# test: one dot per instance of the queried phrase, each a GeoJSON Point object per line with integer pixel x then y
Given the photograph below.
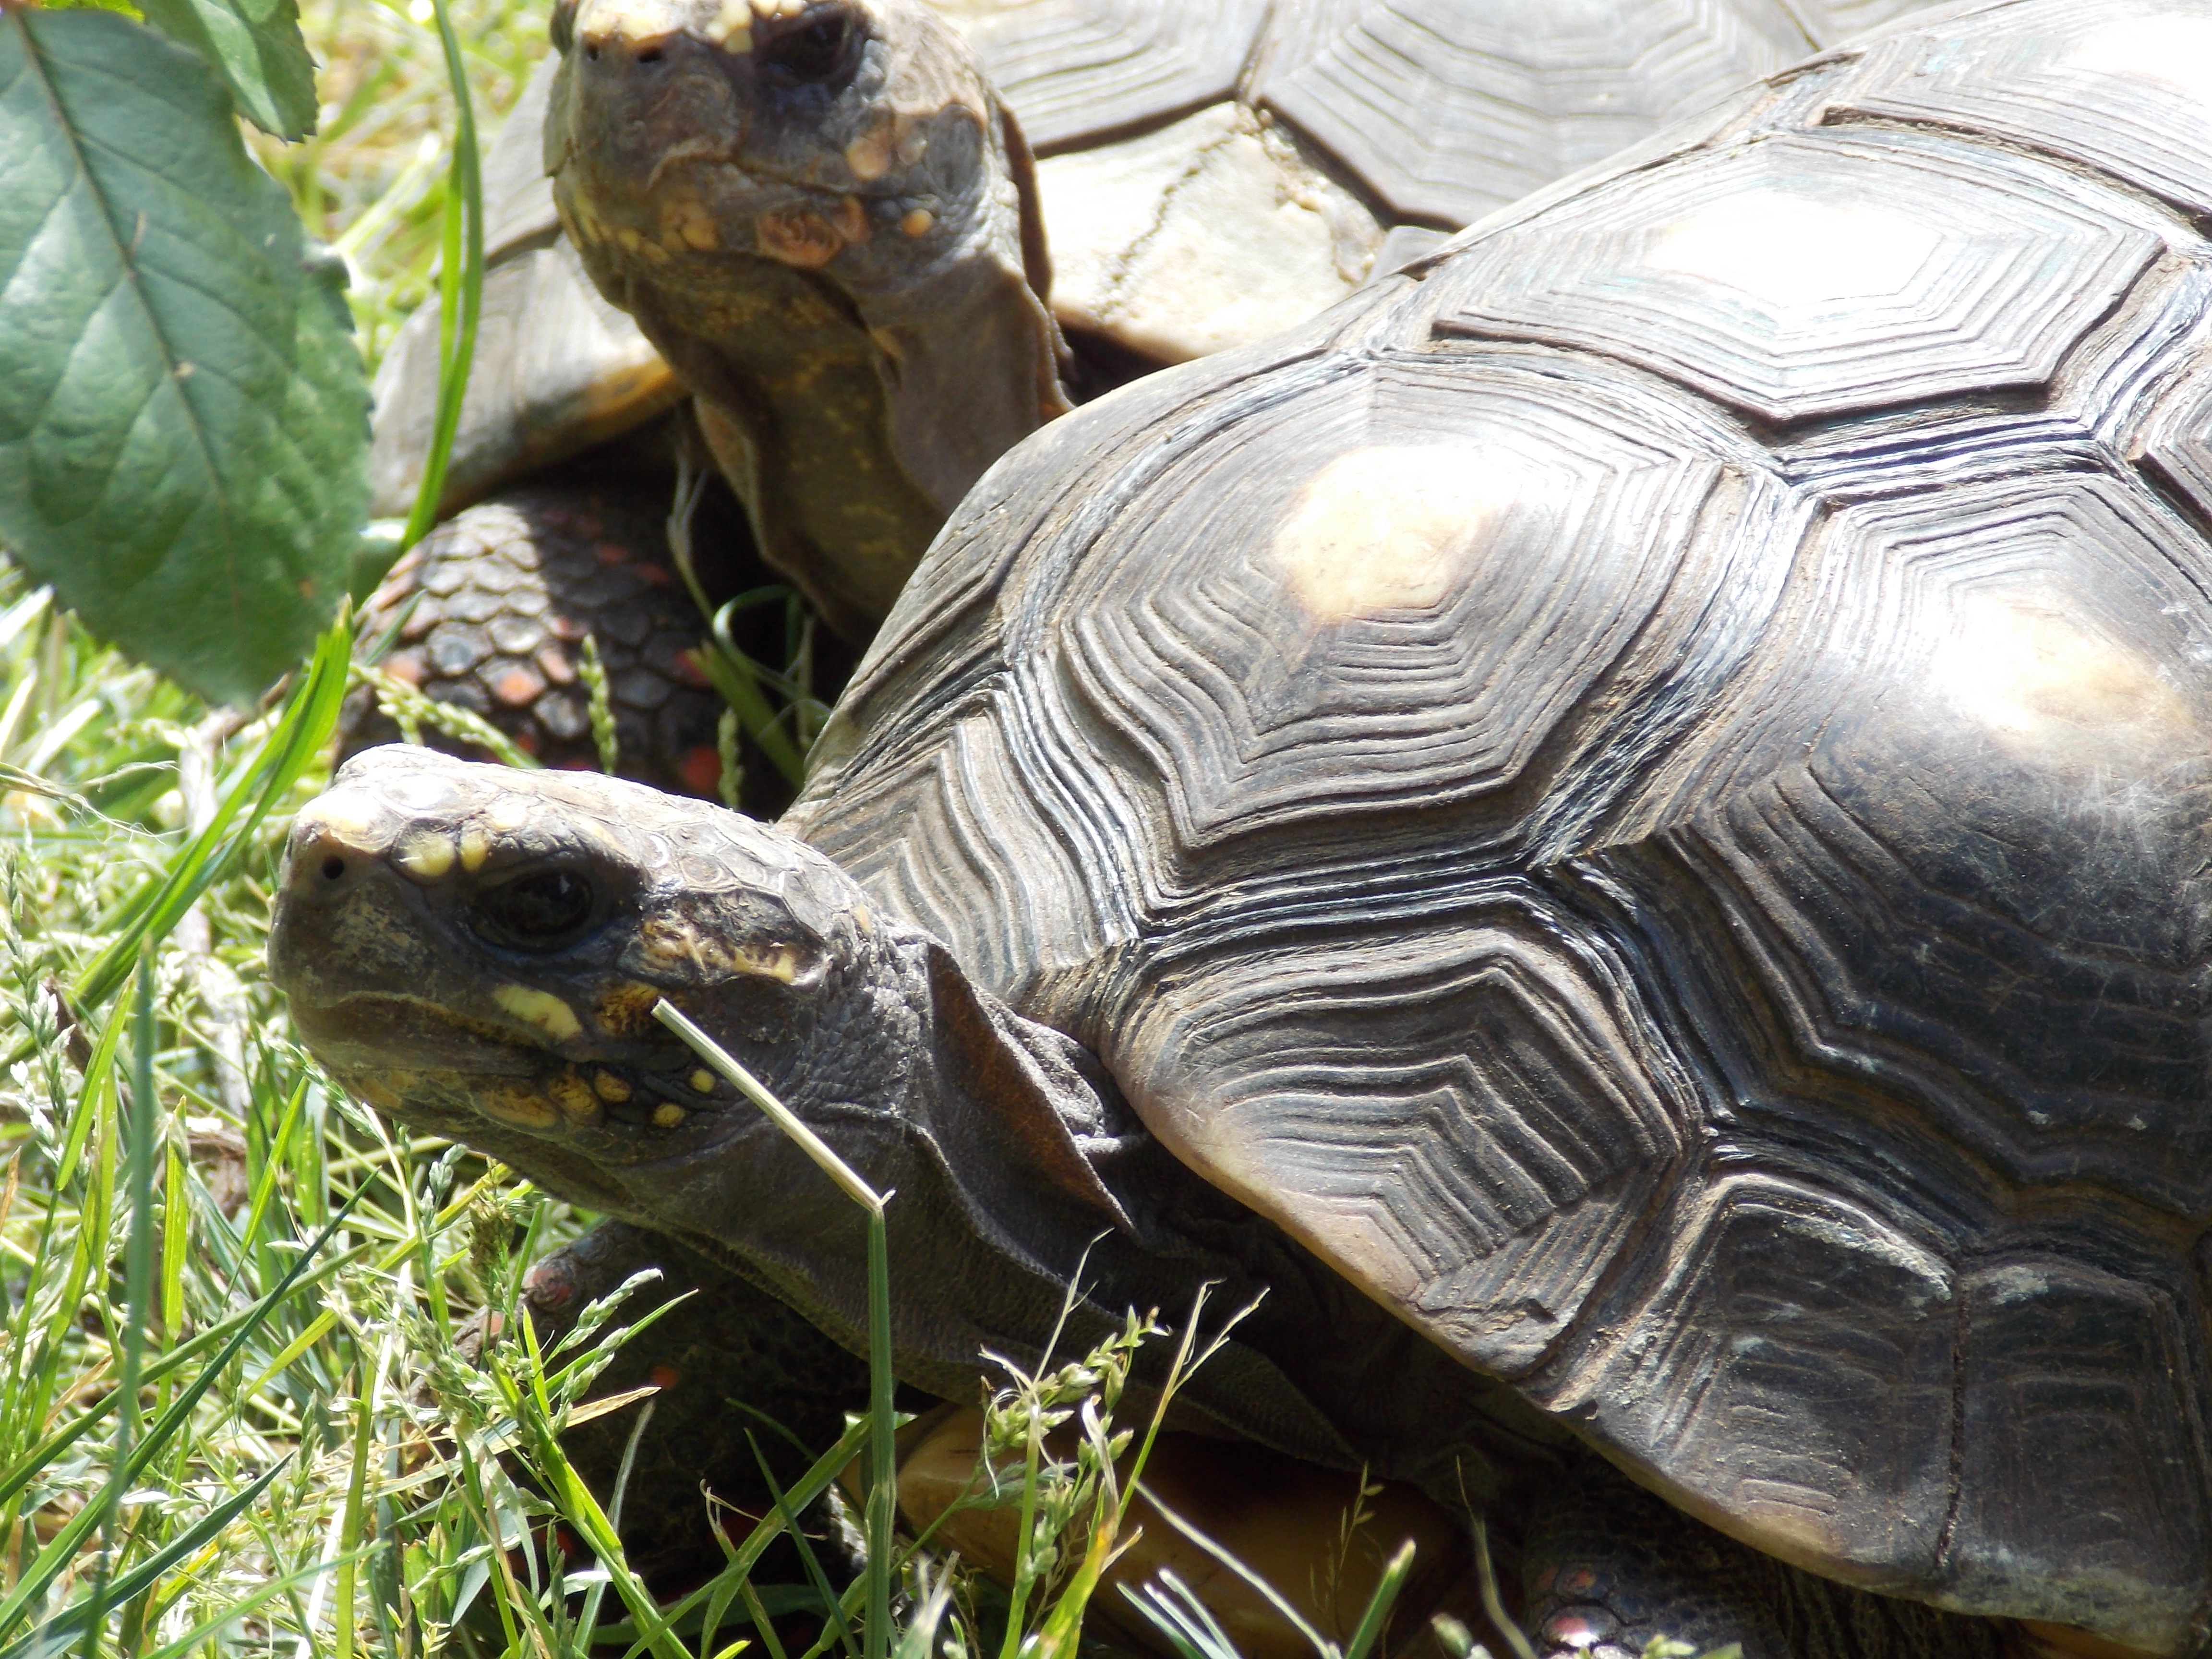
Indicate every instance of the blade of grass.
{"type": "Point", "coordinates": [460, 286]}
{"type": "Point", "coordinates": [310, 715]}
{"type": "Point", "coordinates": [87, 1612]}
{"type": "Point", "coordinates": [880, 1496]}
{"type": "Point", "coordinates": [1376, 1619]}
{"type": "Point", "coordinates": [62, 1549]}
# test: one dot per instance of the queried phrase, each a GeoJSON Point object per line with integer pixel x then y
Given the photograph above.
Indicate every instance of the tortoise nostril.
{"type": "Point", "coordinates": [591, 51]}
{"type": "Point", "coordinates": [650, 55]}
{"type": "Point", "coordinates": [333, 867]}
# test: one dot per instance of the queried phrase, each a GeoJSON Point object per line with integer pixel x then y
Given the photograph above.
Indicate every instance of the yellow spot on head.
{"type": "Point", "coordinates": [612, 1088]}
{"type": "Point", "coordinates": [916, 222]}
{"type": "Point", "coordinates": [862, 920]}
{"type": "Point", "coordinates": [869, 156]}
{"type": "Point", "coordinates": [540, 1008]}
{"type": "Point", "coordinates": [517, 1106]}
{"type": "Point", "coordinates": [667, 1116]}
{"type": "Point", "coordinates": [654, 254]}
{"type": "Point", "coordinates": [508, 813]}
{"type": "Point", "coordinates": [627, 1009]}
{"type": "Point", "coordinates": [732, 28]}
{"type": "Point", "coordinates": [702, 1081]}
{"type": "Point", "coordinates": [631, 240]}
{"type": "Point", "coordinates": [476, 848]}
{"type": "Point", "coordinates": [573, 1095]}
{"type": "Point", "coordinates": [347, 815]}
{"type": "Point", "coordinates": [805, 240]}
{"type": "Point", "coordinates": [1394, 526]}
{"type": "Point", "coordinates": [425, 857]}
{"type": "Point", "coordinates": [776, 962]}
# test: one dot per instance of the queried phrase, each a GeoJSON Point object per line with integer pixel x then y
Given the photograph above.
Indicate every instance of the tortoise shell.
{"type": "Point", "coordinates": [1642, 788]}
{"type": "Point", "coordinates": [1209, 174]}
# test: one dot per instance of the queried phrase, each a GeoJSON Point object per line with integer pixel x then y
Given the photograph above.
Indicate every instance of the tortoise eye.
{"type": "Point", "coordinates": [812, 54]}
{"type": "Point", "coordinates": [536, 912]}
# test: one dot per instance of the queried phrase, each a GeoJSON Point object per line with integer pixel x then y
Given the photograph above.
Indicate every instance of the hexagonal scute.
{"type": "Point", "coordinates": [1815, 274]}
{"type": "Point", "coordinates": [1450, 110]}
{"type": "Point", "coordinates": [1073, 69]}
{"type": "Point", "coordinates": [2125, 85]}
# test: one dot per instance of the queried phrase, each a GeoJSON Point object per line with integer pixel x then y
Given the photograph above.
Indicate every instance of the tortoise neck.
{"type": "Point", "coordinates": [850, 423]}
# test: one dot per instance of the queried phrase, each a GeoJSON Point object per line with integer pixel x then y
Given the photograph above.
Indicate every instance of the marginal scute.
{"type": "Point", "coordinates": [2125, 85]}
{"type": "Point", "coordinates": [1073, 69]}
{"type": "Point", "coordinates": [1452, 110]}
{"type": "Point", "coordinates": [1786, 1368]}
{"type": "Point", "coordinates": [2080, 1482]}
{"type": "Point", "coordinates": [1815, 275]}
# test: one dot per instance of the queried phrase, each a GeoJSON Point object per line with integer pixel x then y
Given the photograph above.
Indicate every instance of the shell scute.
{"type": "Point", "coordinates": [2068, 1366]}
{"type": "Point", "coordinates": [1814, 274]}
{"type": "Point", "coordinates": [1788, 1369]}
{"type": "Point", "coordinates": [2125, 85]}
{"type": "Point", "coordinates": [1450, 110]}
{"type": "Point", "coordinates": [1075, 69]}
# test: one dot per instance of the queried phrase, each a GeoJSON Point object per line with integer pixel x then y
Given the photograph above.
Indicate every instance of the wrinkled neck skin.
{"type": "Point", "coordinates": [833, 238]}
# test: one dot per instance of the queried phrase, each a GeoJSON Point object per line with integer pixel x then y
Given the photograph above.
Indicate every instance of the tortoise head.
{"type": "Point", "coordinates": [851, 136]}
{"type": "Point", "coordinates": [478, 952]}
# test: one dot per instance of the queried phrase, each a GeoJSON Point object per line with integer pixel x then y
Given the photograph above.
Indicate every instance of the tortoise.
{"type": "Point", "coordinates": [1617, 822]}
{"type": "Point", "coordinates": [1208, 175]}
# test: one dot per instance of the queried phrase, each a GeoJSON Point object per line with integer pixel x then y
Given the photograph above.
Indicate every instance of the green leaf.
{"type": "Point", "coordinates": [258, 45]}
{"type": "Point", "coordinates": [184, 419]}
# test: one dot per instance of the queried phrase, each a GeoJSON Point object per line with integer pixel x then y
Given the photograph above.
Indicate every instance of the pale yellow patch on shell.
{"type": "Point", "coordinates": [702, 1081]}
{"type": "Point", "coordinates": [1392, 526]}
{"type": "Point", "coordinates": [517, 1105]}
{"type": "Point", "coordinates": [667, 1116]}
{"type": "Point", "coordinates": [425, 857]}
{"type": "Point", "coordinates": [2174, 51]}
{"type": "Point", "coordinates": [610, 1088]}
{"type": "Point", "coordinates": [2034, 679]}
{"type": "Point", "coordinates": [540, 1008]}
{"type": "Point", "coordinates": [476, 848]}
{"type": "Point", "coordinates": [772, 9]}
{"type": "Point", "coordinates": [1796, 257]}
{"type": "Point", "coordinates": [862, 920]}
{"type": "Point", "coordinates": [916, 222]}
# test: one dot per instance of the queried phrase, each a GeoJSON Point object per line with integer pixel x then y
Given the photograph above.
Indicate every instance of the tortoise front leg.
{"type": "Point", "coordinates": [723, 1361]}
{"type": "Point", "coordinates": [1608, 1567]}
